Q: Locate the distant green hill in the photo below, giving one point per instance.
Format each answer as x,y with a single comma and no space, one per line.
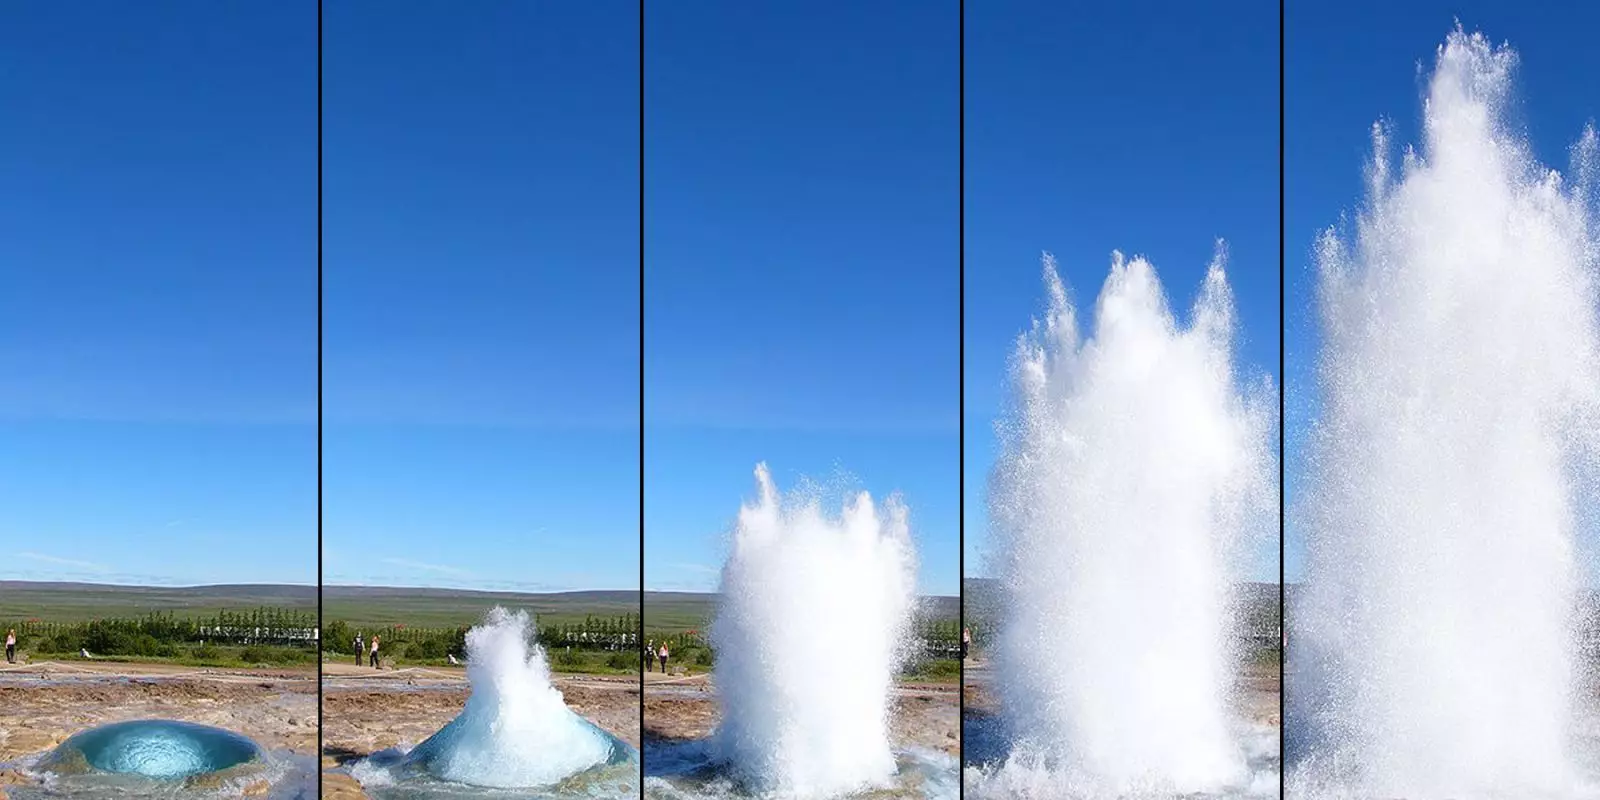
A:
78,602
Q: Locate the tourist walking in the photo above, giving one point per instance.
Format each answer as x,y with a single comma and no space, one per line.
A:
966,641
375,651
649,656
11,646
361,647
663,654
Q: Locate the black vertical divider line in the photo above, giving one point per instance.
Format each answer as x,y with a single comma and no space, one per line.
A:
961,376
1283,452
319,400
639,645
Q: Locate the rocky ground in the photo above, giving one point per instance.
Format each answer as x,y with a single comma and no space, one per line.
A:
42,704
366,710
926,715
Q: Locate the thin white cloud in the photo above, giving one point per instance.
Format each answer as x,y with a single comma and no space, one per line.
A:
65,562
709,570
439,568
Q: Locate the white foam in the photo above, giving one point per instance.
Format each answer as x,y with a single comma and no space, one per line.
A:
1132,467
809,634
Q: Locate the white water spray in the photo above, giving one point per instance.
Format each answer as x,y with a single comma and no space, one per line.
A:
810,631
516,731
1433,656
1131,468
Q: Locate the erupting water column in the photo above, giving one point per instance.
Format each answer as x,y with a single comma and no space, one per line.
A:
516,731
1433,655
1131,466
810,631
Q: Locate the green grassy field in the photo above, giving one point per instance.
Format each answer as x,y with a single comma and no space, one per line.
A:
223,656
674,613
80,602
574,661
380,606
369,608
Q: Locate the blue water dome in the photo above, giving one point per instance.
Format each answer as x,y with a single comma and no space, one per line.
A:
162,749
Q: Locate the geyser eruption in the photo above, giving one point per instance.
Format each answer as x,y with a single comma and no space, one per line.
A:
1433,655
1131,467
515,732
797,720
162,749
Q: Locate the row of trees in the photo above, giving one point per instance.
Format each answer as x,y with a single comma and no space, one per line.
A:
594,634
931,639
166,635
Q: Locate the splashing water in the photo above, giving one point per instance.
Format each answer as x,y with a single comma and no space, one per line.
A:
515,731
809,634
1131,468
1434,653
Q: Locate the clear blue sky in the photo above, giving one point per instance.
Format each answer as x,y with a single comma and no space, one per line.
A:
158,284
482,294
1150,128
1351,64
801,267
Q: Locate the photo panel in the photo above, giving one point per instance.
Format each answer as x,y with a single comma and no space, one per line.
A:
1121,387
1442,400
802,399
158,338
481,351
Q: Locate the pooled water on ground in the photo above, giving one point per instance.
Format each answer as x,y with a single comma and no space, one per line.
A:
1452,465
516,737
1135,465
794,726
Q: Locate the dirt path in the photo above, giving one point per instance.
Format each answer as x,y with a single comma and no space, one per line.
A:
119,669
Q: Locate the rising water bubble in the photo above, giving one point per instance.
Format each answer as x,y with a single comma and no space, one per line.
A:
1434,654
164,749
1132,468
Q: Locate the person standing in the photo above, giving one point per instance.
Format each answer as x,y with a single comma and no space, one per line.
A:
966,641
361,647
649,656
663,654
11,646
375,651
